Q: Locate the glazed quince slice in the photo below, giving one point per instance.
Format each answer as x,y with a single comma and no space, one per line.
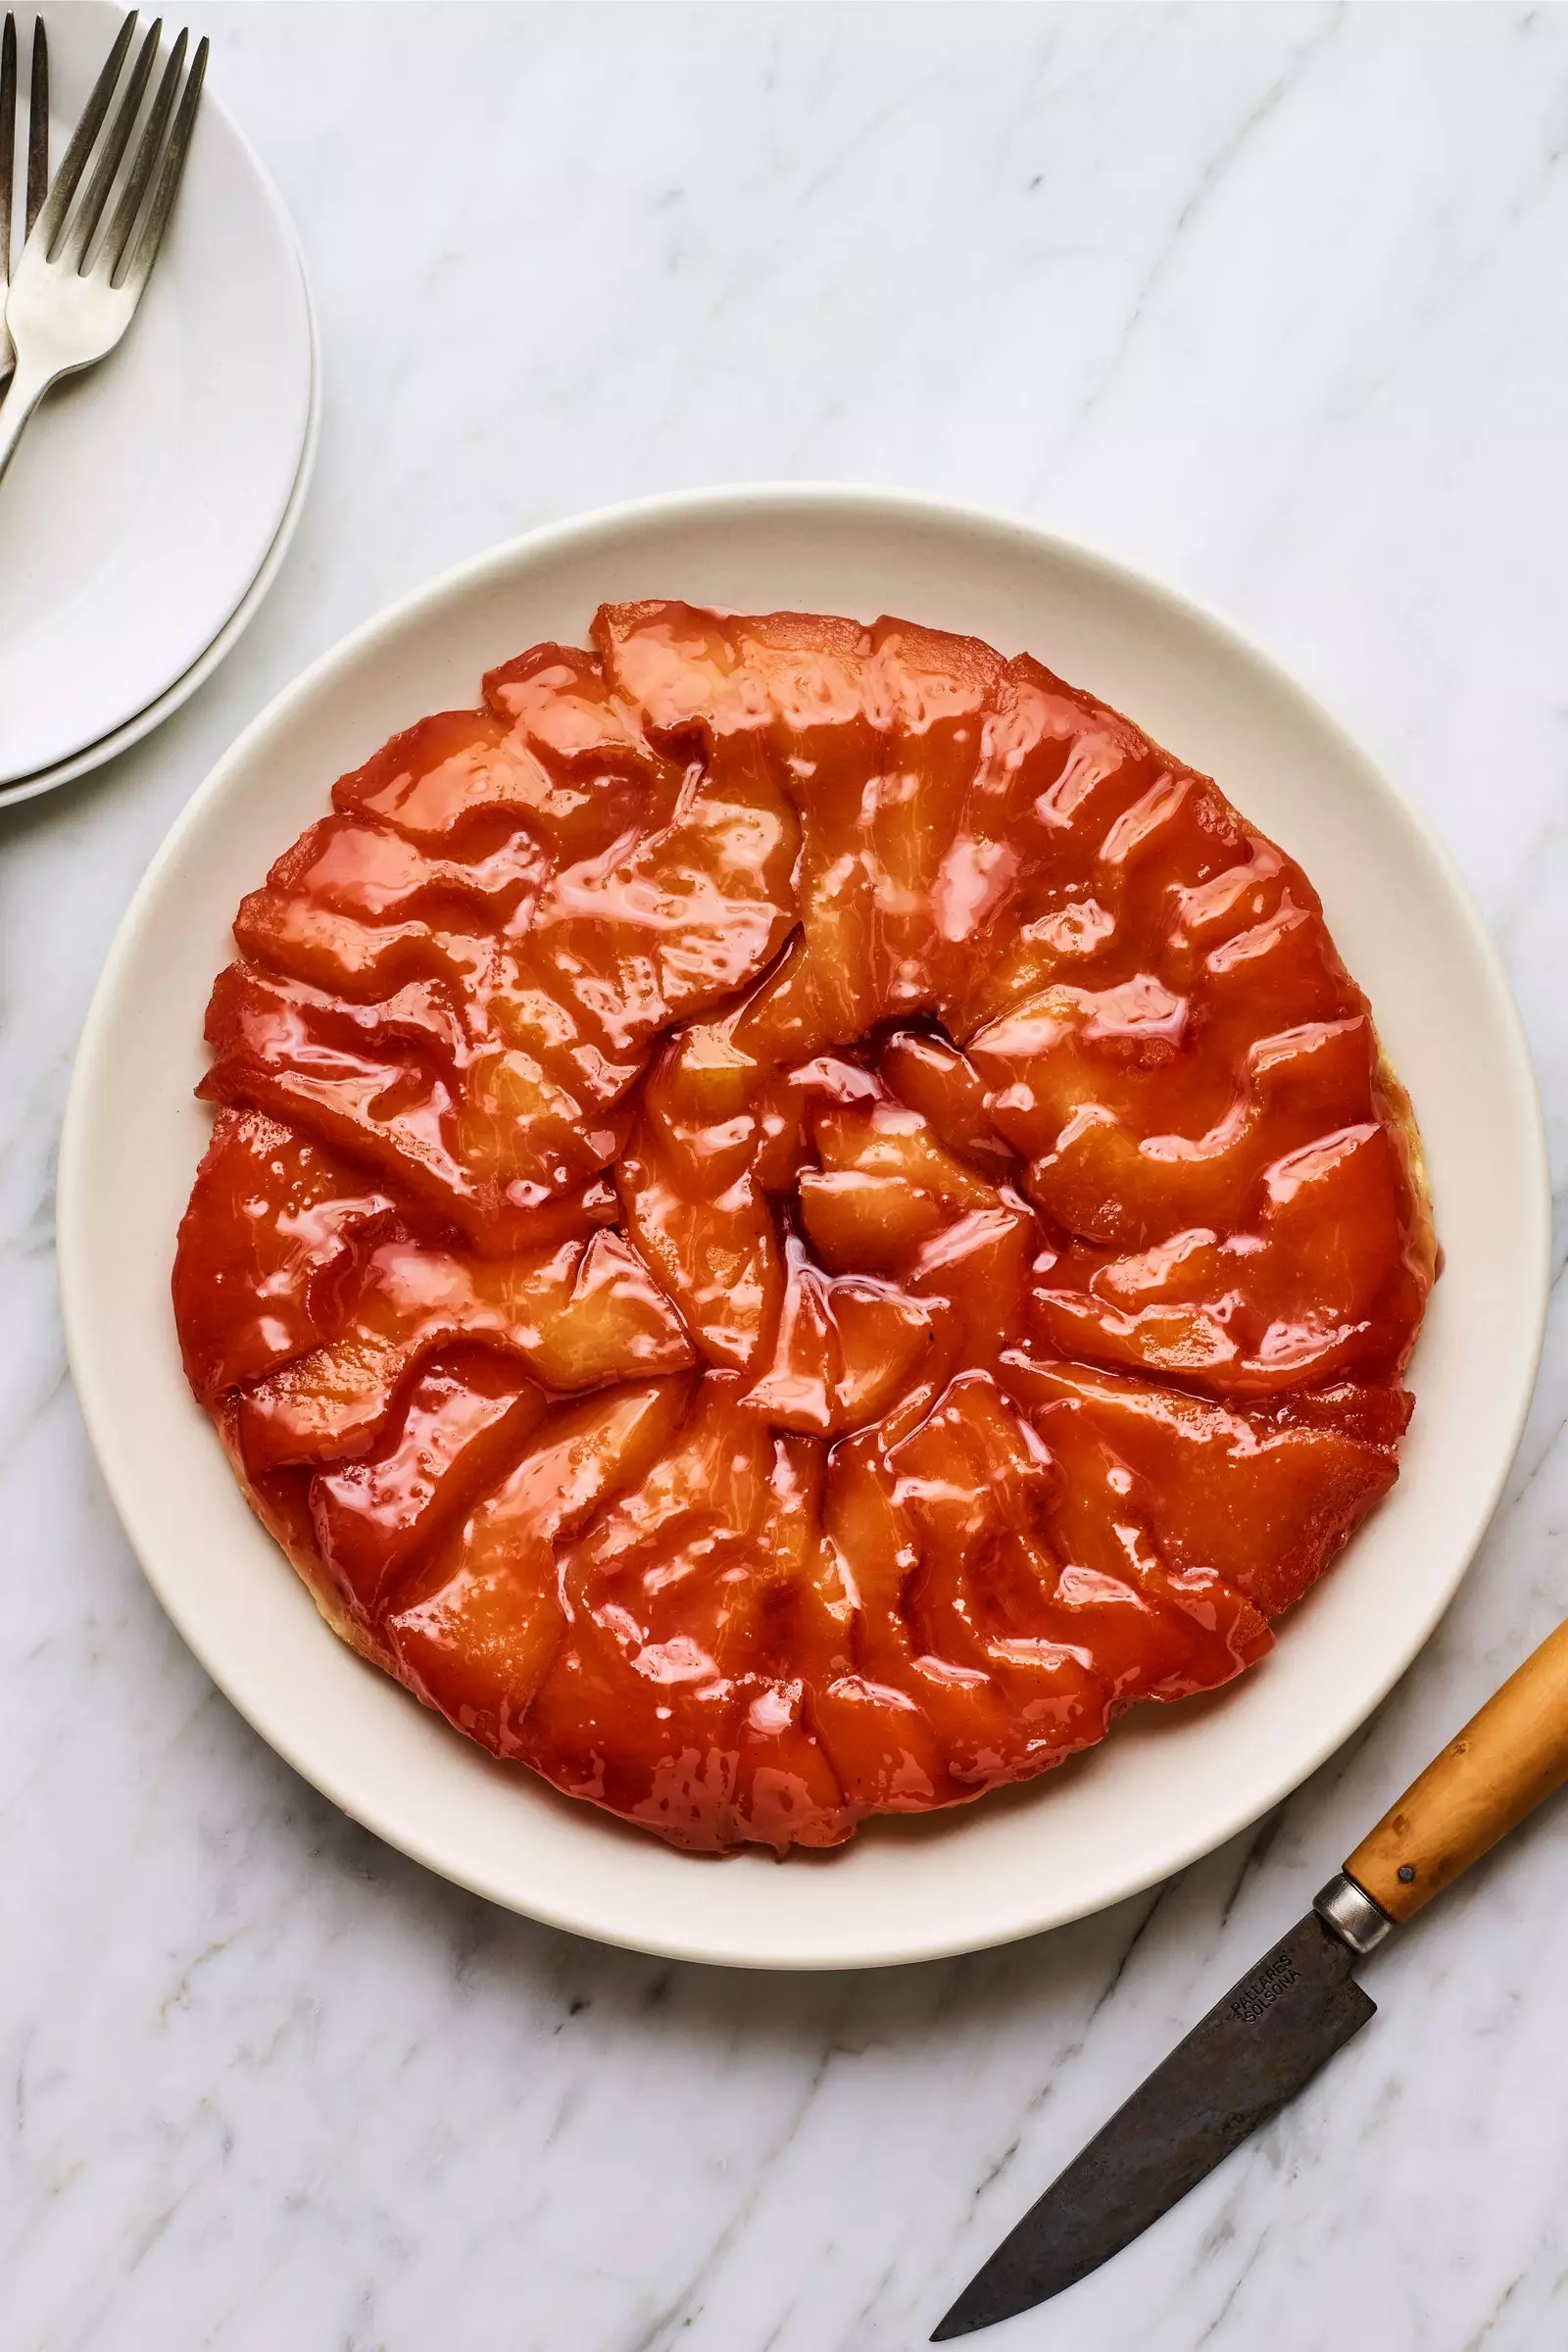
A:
977,1271
717,1259
358,909
452,774
605,779
888,1139
270,1230
672,916
474,1633
1006,1577
665,1700
553,756
460,1425
1262,1499
1059,776
693,1201
512,974
847,1346
1007,1690
1316,1286
369,1082
581,1316
912,1721
879,732
1136,1126
477,1137
891,1198
926,1071
855,1219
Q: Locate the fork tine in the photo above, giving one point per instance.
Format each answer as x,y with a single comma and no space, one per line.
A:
151,234
7,138
85,220
51,218
37,127
144,162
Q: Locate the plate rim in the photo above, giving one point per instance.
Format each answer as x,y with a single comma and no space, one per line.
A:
579,531
168,698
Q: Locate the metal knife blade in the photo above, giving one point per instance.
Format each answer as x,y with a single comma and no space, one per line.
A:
1254,2050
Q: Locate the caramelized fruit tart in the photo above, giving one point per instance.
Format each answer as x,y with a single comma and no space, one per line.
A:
799,1215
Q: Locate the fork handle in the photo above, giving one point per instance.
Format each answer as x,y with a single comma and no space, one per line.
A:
27,387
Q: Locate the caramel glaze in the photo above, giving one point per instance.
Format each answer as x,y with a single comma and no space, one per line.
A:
799,1215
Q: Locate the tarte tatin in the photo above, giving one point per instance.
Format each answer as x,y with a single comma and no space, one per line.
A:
799,1215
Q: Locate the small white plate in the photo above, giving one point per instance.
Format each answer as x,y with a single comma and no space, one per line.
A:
120,739
147,493
1170,1782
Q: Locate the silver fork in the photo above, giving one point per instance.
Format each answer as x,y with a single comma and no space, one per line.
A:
37,153
73,294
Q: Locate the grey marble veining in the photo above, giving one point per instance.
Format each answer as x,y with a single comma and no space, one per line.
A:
1273,301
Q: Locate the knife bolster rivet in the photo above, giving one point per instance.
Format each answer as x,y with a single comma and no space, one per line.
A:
1406,1873
1350,1914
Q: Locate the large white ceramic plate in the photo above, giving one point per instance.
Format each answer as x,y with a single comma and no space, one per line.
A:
1170,1782
147,493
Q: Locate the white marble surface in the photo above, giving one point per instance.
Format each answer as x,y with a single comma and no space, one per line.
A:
1273,299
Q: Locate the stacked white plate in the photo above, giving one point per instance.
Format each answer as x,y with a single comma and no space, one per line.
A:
153,499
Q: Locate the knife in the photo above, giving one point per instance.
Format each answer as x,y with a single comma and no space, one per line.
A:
1286,2018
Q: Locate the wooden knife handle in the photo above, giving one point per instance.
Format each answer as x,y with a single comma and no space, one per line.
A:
1499,1768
